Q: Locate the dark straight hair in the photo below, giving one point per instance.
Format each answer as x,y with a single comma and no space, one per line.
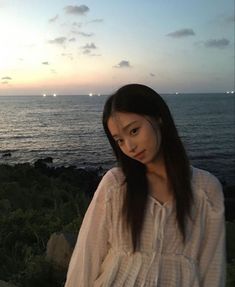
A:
142,100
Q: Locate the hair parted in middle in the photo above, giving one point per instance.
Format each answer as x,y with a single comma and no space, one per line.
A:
142,100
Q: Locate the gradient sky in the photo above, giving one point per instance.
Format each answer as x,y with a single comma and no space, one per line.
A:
73,47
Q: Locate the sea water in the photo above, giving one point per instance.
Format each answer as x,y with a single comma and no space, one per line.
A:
69,129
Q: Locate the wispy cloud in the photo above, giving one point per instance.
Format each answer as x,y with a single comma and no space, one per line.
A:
82,33
54,19
95,55
90,54
85,34
223,20
96,21
59,40
123,64
72,40
6,78
45,63
79,10
77,24
217,43
67,55
181,33
86,51
90,46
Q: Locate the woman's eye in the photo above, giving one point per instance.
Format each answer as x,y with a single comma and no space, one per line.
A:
134,131
119,141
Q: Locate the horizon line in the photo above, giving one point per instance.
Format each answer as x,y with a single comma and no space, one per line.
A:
107,94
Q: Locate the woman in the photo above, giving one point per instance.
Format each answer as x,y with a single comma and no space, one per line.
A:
155,220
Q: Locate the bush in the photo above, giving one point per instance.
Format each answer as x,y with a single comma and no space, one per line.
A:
34,203
230,274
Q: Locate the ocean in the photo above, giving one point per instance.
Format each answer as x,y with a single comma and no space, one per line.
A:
69,129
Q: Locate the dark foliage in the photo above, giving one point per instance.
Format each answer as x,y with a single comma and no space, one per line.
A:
34,203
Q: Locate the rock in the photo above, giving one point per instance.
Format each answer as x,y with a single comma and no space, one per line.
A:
229,209
6,284
43,162
229,201
47,159
7,154
229,191
60,248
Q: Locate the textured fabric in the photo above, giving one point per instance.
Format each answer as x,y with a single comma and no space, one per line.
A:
103,252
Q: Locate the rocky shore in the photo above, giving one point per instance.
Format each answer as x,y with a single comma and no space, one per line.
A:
41,210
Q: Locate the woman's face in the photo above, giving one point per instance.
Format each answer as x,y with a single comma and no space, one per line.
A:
137,136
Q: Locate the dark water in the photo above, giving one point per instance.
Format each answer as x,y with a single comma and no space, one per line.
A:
68,128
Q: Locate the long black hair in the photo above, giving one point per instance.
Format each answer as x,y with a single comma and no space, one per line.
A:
142,100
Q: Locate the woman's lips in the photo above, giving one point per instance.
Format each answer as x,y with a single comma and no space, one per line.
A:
140,154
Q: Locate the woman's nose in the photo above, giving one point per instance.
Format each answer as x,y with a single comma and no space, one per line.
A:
131,146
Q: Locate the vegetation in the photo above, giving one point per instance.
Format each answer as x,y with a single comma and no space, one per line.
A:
34,203
38,201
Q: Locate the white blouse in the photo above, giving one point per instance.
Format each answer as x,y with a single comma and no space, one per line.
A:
103,253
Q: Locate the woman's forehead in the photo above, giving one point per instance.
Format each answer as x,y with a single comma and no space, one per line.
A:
119,121
122,117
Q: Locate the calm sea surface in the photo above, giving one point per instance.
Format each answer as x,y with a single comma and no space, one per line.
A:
69,129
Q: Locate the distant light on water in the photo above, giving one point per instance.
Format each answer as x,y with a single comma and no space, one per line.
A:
91,95
54,95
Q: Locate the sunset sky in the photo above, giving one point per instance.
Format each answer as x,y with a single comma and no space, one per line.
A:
73,47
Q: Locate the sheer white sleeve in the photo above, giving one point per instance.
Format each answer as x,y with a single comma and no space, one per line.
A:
212,259
93,239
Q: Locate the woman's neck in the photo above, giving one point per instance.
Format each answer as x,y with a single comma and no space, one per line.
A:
158,168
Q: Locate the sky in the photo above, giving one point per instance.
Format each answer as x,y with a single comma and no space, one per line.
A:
79,47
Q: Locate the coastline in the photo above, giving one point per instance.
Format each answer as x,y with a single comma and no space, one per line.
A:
47,164
45,167
93,175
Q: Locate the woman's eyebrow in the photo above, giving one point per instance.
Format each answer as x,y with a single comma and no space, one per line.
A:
126,127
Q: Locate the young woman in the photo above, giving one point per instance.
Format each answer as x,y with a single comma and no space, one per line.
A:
155,220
